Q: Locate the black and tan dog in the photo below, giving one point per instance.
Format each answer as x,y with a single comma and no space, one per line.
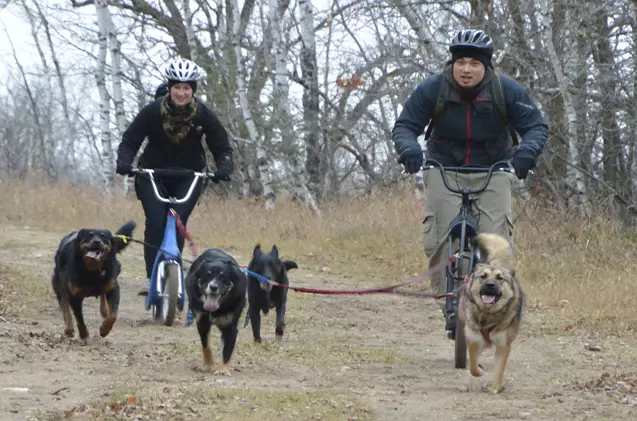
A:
491,305
263,296
86,265
216,288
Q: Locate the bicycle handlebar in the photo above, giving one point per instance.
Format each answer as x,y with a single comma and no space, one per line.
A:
503,166
179,172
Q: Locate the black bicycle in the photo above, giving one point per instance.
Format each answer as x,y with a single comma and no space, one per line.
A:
461,254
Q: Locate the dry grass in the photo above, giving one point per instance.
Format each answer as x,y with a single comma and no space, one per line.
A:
21,292
213,403
577,274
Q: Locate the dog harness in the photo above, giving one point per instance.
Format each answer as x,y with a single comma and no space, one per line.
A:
486,333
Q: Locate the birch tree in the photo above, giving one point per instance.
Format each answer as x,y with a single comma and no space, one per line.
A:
101,9
238,32
292,150
574,176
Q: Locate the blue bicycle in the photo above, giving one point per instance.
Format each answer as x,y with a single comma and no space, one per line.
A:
166,293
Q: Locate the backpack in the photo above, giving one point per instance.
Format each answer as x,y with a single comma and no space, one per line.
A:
496,93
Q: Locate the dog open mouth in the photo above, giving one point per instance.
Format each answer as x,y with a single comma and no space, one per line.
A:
94,253
490,299
490,294
211,302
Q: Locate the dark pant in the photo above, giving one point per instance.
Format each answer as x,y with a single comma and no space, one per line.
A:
156,211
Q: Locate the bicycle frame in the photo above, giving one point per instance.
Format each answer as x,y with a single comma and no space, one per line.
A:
169,250
463,228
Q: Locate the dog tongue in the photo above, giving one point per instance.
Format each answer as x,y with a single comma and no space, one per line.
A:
488,299
94,254
211,304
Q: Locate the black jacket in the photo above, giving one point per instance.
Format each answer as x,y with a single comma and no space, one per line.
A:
160,152
471,133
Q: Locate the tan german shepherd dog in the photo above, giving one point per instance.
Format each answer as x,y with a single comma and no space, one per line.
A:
491,305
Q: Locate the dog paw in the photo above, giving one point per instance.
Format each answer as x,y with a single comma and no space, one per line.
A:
69,332
497,389
82,329
478,372
106,327
222,370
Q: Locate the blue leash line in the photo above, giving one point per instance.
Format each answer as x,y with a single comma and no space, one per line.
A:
256,276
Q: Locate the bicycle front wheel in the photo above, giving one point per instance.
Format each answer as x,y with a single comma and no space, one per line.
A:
166,308
461,340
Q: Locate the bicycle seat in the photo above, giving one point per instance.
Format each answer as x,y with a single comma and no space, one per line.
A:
456,226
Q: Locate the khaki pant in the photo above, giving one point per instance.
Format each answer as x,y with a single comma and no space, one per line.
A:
442,206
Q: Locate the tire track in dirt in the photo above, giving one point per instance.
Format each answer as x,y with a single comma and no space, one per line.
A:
386,352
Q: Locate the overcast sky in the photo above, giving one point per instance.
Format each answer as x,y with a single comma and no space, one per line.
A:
20,34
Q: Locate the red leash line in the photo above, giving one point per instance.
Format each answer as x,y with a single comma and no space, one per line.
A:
184,232
388,289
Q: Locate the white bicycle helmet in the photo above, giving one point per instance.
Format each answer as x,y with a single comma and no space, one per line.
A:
183,70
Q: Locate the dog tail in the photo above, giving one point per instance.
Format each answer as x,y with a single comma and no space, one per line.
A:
127,231
495,250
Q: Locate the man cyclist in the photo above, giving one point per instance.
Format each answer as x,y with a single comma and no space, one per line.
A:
175,123
470,130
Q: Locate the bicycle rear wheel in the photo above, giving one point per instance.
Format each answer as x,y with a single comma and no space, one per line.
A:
164,311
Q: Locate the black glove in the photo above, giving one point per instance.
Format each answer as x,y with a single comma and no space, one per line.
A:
411,157
222,174
522,163
124,168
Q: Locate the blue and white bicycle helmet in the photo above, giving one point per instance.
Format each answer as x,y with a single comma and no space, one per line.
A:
183,70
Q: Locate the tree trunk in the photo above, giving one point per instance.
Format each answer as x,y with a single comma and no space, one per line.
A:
292,151
101,7
605,64
574,176
263,164
311,106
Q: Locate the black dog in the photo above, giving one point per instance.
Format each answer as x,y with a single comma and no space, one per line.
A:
216,288
86,265
263,296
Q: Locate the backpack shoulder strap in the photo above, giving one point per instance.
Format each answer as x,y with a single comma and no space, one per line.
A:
441,102
501,106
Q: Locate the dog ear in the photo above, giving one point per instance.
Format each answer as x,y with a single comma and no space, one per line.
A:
274,252
290,264
256,253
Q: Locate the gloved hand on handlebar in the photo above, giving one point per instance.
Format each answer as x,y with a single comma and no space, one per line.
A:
124,168
523,162
411,157
221,174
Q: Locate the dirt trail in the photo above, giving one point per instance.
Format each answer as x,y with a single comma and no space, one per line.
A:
351,358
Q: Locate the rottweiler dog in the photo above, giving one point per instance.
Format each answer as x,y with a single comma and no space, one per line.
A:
263,296
86,265
216,288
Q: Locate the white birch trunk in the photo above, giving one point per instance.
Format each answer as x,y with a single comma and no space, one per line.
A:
190,34
264,167
292,150
101,8
574,177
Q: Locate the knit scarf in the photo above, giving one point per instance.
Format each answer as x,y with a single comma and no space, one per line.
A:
177,121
